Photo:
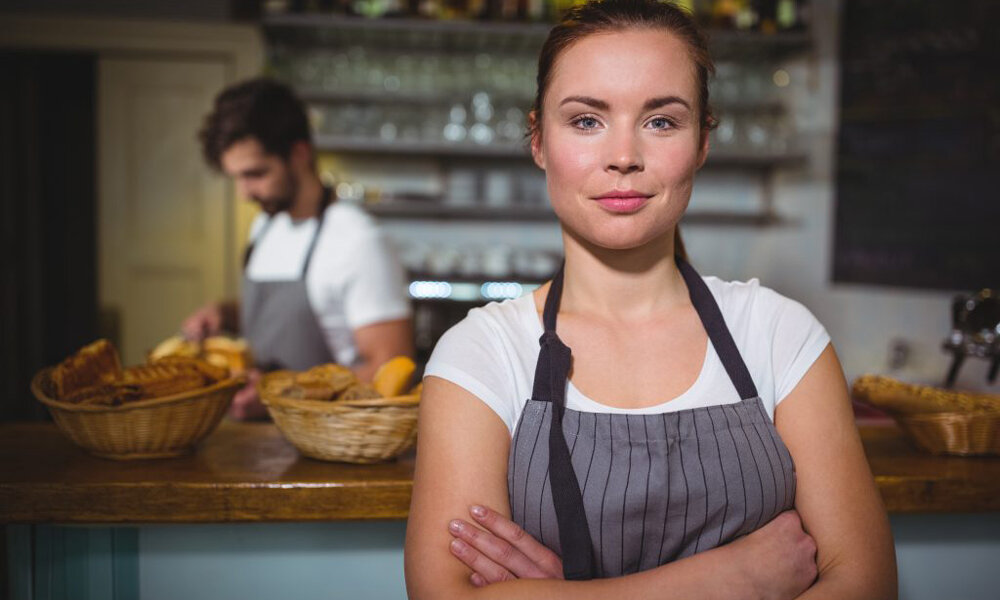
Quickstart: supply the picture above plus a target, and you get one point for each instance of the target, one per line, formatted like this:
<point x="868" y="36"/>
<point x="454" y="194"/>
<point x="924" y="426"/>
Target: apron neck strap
<point x="325" y="200"/>
<point x="551" y="375"/>
<point x="715" y="325"/>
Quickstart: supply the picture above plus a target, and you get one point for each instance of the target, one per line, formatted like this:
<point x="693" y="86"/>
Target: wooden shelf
<point x="721" y="158"/>
<point x="314" y="96"/>
<point x="405" y="148"/>
<point x="433" y="210"/>
<point x="335" y="21"/>
<point x="429" y="98"/>
<point x="437" y="211"/>
<point x="724" y="43"/>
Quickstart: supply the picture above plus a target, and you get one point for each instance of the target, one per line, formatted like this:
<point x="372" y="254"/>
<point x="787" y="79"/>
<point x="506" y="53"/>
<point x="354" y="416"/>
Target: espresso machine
<point x="975" y="332"/>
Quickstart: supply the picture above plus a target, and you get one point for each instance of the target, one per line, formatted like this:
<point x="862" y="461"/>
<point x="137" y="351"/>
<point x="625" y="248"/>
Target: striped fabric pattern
<point x="656" y="488"/>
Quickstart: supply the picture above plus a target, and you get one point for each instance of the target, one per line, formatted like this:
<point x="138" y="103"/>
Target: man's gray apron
<point x="277" y="318"/>
<point x="616" y="493"/>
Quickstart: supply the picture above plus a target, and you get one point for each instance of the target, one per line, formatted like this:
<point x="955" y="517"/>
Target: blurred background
<point x="855" y="167"/>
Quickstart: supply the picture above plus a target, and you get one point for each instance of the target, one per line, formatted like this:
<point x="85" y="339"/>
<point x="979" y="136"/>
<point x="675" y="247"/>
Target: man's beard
<point x="278" y="203"/>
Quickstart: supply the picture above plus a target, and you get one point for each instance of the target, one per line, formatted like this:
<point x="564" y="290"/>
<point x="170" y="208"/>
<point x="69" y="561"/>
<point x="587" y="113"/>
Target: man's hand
<point x="501" y="550"/>
<point x="246" y="405"/>
<point x="205" y="322"/>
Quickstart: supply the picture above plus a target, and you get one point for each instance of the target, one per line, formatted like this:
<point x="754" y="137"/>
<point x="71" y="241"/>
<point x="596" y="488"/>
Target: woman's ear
<point x="704" y="146"/>
<point x="535" y="131"/>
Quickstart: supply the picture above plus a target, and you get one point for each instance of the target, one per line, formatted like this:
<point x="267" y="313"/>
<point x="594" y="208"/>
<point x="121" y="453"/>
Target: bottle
<point x="768" y="13"/>
<point x="786" y="14"/>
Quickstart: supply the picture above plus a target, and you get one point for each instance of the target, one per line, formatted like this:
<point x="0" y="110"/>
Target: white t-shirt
<point x="354" y="278"/>
<point x="492" y="353"/>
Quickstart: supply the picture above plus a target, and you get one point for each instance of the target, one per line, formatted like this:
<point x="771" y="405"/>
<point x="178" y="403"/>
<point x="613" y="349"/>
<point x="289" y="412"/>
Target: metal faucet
<point x="975" y="322"/>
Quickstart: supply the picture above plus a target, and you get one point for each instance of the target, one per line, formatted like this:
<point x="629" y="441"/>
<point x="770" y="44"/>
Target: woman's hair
<point x="603" y="16"/>
<point x="260" y="108"/>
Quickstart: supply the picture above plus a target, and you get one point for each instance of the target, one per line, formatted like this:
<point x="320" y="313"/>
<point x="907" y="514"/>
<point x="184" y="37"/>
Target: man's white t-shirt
<point x="353" y="280"/>
<point x="493" y="352"/>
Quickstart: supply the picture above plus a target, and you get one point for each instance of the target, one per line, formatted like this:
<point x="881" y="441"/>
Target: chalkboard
<point x="918" y="157"/>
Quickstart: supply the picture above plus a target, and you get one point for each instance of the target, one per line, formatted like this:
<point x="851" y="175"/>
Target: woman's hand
<point x="501" y="550"/>
<point x="779" y="559"/>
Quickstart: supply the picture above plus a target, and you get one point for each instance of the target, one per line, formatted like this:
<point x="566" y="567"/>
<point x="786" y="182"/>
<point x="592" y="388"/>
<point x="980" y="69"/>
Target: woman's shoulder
<point x="752" y="301"/>
<point x="504" y="321"/>
<point x="490" y="353"/>
<point x="778" y="336"/>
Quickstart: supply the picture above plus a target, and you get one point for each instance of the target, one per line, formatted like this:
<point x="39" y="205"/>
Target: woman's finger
<point x="488" y="571"/>
<point x="497" y="550"/>
<point x="536" y="552"/>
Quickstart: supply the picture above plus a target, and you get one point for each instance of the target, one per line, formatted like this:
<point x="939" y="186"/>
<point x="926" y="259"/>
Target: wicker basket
<point x="937" y="420"/>
<point x="354" y="431"/>
<point x="154" y="428"/>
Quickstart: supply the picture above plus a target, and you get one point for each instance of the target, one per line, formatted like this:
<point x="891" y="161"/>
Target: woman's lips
<point x="622" y="202"/>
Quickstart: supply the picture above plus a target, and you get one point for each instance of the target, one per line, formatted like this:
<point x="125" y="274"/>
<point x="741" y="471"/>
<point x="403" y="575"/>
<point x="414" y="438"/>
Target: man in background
<point x="320" y="282"/>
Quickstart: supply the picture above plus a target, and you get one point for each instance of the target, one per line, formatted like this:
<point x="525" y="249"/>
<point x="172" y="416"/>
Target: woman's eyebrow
<point x="651" y="104"/>
<point x="592" y="102"/>
<point x="654" y="103"/>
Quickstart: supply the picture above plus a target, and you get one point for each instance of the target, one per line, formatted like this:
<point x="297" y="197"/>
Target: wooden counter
<point x="248" y="472"/>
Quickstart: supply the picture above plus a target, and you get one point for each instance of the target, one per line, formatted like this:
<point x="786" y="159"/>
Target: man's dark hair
<point x="260" y="108"/>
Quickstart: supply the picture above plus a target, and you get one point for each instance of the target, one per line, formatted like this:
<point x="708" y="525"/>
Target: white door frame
<point x="240" y="47"/>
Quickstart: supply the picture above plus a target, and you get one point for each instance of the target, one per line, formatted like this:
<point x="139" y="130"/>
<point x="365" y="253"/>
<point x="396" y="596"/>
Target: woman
<point x="674" y="449"/>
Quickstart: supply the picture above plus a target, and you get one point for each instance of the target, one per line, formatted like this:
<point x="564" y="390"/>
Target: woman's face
<point x="620" y="136"/>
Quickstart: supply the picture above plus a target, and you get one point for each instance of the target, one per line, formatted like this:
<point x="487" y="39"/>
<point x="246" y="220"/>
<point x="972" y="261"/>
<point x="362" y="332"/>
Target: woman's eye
<point x="585" y="123"/>
<point x="661" y="123"/>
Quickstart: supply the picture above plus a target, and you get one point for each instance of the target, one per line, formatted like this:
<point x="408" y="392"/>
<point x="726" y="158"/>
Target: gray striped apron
<point x="277" y="318"/>
<point x="614" y="494"/>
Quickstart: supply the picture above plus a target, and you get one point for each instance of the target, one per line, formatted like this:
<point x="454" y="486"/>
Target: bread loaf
<point x="93" y="365"/>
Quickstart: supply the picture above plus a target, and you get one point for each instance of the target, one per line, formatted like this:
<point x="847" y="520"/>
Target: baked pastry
<point x="232" y="354"/>
<point x="361" y="391"/>
<point x="310" y="390"/>
<point x="94" y="364"/>
<point x="106" y="395"/>
<point x="175" y="346"/>
<point x="220" y="351"/>
<point x="392" y="378"/>
<point x="277" y="382"/>
<point x="163" y="379"/>
<point x="338" y="378"/>
<point x="211" y="373"/>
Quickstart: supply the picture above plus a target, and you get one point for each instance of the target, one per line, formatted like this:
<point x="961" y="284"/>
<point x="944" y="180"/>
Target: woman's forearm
<point x="843" y="584"/>
<point x="708" y="575"/>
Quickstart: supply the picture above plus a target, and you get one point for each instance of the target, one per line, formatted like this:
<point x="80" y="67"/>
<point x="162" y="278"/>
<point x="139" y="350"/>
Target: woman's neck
<point x="621" y="285"/>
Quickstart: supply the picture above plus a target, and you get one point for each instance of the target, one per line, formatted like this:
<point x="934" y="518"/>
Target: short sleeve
<point x="375" y="291"/>
<point x="470" y="356"/>
<point x="798" y="340"/>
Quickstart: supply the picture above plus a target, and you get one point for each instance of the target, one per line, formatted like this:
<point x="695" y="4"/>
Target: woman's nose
<point x="623" y="154"/>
